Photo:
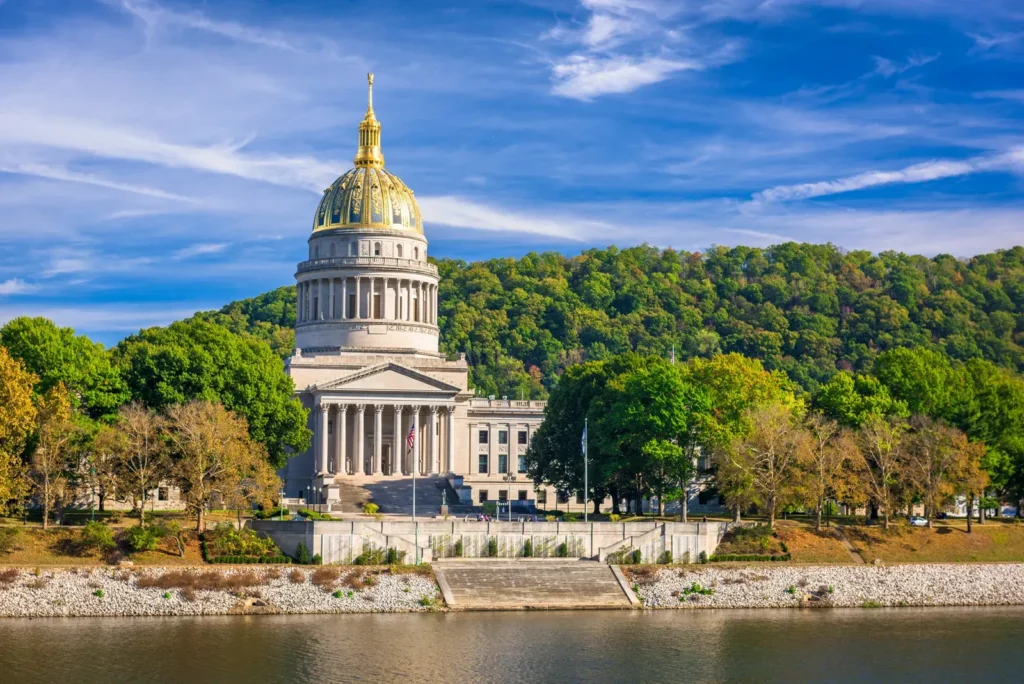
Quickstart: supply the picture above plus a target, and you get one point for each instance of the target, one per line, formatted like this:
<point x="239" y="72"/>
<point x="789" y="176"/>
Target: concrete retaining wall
<point x="341" y="541"/>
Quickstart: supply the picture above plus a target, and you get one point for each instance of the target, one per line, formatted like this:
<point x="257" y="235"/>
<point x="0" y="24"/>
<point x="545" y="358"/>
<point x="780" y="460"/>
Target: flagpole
<point x="586" y="488"/>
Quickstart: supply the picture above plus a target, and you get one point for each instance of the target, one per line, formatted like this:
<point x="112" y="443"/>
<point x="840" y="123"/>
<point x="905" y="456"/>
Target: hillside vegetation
<point x="807" y="310"/>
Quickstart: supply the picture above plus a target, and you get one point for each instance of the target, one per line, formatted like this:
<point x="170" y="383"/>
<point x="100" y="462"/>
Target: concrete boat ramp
<point x="532" y="584"/>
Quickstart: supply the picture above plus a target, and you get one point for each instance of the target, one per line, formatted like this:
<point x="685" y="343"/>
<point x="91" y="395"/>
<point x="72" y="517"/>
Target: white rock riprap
<point x="841" y="586"/>
<point x="99" y="592"/>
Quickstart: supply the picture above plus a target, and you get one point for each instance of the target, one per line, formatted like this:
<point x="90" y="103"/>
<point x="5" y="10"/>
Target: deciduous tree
<point x="831" y="448"/>
<point x="142" y="458"/>
<point x="880" y="460"/>
<point x="17" y="420"/>
<point x="53" y="470"/>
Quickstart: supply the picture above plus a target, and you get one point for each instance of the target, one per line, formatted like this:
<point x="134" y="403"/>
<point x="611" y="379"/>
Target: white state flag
<point x="583" y="440"/>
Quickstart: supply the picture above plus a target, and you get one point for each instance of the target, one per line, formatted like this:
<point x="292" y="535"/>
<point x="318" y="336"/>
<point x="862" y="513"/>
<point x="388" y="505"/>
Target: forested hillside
<point x="804" y="309"/>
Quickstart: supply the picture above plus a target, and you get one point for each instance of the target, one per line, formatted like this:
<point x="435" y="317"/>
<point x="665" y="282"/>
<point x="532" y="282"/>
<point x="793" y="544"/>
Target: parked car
<point x="918" y="521"/>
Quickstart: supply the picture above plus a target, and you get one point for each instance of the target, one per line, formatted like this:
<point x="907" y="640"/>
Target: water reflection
<point x="906" y="645"/>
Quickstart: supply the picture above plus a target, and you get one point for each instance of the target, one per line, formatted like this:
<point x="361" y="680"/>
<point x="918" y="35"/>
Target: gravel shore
<point x="772" y="586"/>
<point x="98" y="592"/>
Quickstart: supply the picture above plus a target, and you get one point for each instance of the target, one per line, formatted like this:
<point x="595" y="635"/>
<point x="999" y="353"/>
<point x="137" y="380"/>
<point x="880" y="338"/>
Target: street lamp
<point x="510" y="479"/>
<point x="280" y="505"/>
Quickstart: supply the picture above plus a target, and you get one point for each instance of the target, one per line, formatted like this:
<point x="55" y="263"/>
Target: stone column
<point x="330" y="290"/>
<point x="416" y="439"/>
<point x="322" y="444"/>
<point x="422" y="304"/>
<point x="357" y="312"/>
<point x="432" y="441"/>
<point x="344" y="298"/>
<point x="378" y="423"/>
<point x="492" y="449"/>
<point x="384" y="300"/>
<point x="360" y="457"/>
<point x="450" y="436"/>
<point x="341" y="448"/>
<point x="398" y="447"/>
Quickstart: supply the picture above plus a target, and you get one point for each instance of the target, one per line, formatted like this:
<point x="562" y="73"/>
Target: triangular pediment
<point x="388" y="377"/>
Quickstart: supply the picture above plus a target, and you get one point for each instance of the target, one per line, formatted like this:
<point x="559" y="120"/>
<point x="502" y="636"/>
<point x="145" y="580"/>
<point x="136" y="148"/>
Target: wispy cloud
<point x="16" y="286"/>
<point x="888" y="67"/>
<point x="917" y="173"/>
<point x="59" y="174"/>
<point x="584" y="77"/>
<point x="199" y="250"/>
<point x="463" y="213"/>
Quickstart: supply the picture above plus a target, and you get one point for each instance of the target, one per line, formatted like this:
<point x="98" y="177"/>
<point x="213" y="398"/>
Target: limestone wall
<point x="341" y="541"/>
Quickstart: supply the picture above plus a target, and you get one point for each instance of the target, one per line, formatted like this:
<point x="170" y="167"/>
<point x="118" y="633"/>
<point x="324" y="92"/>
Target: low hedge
<point x="725" y="558"/>
<point x="249" y="560"/>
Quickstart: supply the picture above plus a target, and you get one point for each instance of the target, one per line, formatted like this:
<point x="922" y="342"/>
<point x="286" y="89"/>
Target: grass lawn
<point x="34" y="546"/>
<point x="948" y="541"/>
<point x="808" y="546"/>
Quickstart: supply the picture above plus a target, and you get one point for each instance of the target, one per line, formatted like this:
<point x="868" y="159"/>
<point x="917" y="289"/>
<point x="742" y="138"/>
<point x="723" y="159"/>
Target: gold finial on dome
<point x="369" y="152"/>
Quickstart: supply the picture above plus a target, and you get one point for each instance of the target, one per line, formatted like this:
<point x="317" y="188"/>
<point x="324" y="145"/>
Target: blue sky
<point x="157" y="158"/>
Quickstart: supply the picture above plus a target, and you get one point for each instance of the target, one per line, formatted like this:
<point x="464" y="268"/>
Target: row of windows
<point x="377" y="251"/>
<point x="502" y="464"/>
<point x="502" y="437"/>
<point x="542" y="496"/>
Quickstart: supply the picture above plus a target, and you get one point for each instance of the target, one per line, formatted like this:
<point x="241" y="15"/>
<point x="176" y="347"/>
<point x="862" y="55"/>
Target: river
<point x="851" y="645"/>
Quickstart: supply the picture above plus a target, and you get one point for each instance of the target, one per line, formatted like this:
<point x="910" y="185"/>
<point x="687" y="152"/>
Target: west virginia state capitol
<point x="383" y="401"/>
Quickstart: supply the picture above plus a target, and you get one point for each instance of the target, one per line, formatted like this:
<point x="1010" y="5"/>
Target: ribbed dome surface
<point x="368" y="197"/>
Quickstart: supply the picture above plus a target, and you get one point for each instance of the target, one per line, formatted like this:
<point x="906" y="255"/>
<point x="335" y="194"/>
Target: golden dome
<point x="368" y="196"/>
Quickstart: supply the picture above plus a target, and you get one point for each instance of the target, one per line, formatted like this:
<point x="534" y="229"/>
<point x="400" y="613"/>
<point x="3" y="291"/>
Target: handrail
<point x="332" y="262"/>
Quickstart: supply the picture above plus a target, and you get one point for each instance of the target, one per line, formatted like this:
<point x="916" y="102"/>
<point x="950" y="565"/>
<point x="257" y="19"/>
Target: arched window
<point x="416" y="253"/>
<point x="398" y="251"/>
<point x="351" y="249"/>
<point x="332" y="249"/>
<point x="316" y="252"/>
<point x="376" y="249"/>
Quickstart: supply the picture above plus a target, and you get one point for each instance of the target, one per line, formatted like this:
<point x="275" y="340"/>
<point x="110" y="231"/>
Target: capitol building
<point x="383" y="402"/>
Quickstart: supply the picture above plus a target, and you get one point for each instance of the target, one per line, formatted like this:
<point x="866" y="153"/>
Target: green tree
<point x="851" y="399"/>
<point x="58" y="356"/>
<point x="17" y="420"/>
<point x="200" y="360"/>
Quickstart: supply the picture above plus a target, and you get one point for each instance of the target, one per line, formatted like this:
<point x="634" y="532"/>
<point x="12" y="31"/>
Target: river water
<point x="965" y="645"/>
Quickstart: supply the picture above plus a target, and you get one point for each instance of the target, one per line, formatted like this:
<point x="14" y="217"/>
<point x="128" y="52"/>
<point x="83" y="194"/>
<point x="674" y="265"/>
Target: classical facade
<point x="383" y="401"/>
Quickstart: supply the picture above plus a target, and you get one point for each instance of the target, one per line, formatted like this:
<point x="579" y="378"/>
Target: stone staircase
<point x="530" y="584"/>
<point x="392" y="495"/>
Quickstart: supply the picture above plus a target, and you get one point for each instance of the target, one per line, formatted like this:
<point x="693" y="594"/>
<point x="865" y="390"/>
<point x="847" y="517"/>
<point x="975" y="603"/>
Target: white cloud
<point x="888" y="67"/>
<point x="54" y="173"/>
<point x="199" y="250"/>
<point x="584" y="77"/>
<point x="458" y="212"/>
<point x="917" y="173"/>
<point x="16" y="286"/>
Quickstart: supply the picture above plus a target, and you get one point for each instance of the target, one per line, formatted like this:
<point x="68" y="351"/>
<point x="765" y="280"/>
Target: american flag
<point x="411" y="437"/>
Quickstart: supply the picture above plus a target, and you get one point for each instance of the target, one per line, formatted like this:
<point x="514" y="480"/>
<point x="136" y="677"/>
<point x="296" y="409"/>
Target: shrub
<point x="8" y="576"/>
<point x="551" y="518"/>
<point x="528" y="548"/>
<point x="562" y="551"/>
<point x="490" y="507"/>
<point x="337" y="594"/>
<point x="791" y="590"/>
<point x="371" y="509"/>
<point x="703" y="557"/>
<point x="372" y="555"/>
<point x="313" y="515"/>
<point x="167" y="594"/>
<point x="302" y="554"/>
<point x="638" y="557"/>
<point x="570" y="517"/>
<point x="8" y="539"/>
<point x="326" y="577"/>
<point x="98" y="593"/>
<point x="225" y="540"/>
<point x="746" y="557"/>
<point x="212" y="580"/>
<point x="394" y="556"/>
<point x="697" y="589"/>
<point x="492" y="547"/>
<point x="665" y="558"/>
<point x="614" y="517"/>
<point x="96" y="535"/>
<point x="296" y="576"/>
<point x="189" y="594"/>
<point x="141" y="538"/>
<point x="276" y="512"/>
<point x="458" y="550"/>
<point x="317" y="559"/>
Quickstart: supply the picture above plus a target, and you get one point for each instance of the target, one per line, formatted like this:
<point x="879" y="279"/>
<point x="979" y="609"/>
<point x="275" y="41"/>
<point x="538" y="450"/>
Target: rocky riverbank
<point x="775" y="586"/>
<point x="98" y="592"/>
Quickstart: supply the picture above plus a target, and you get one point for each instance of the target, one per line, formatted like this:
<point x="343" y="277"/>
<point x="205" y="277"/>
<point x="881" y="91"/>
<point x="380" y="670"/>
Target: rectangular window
<point x="522" y="495"/>
<point x="502" y="495"/>
<point x="502" y="463"/>
<point x="330" y="427"/>
<point x="162" y="494"/>
<point x="351" y="306"/>
<point x="522" y="437"/>
<point x="483" y="496"/>
<point x="562" y="497"/>
<point x="542" y="496"/>
<point x="522" y="464"/>
<point x="579" y="497"/>
<point x="482" y="438"/>
<point x="483" y="464"/>
<point x="502" y="436"/>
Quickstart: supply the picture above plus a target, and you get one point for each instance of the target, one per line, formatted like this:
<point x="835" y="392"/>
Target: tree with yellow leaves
<point x="52" y="468"/>
<point x="17" y="419"/>
<point x="213" y="455"/>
